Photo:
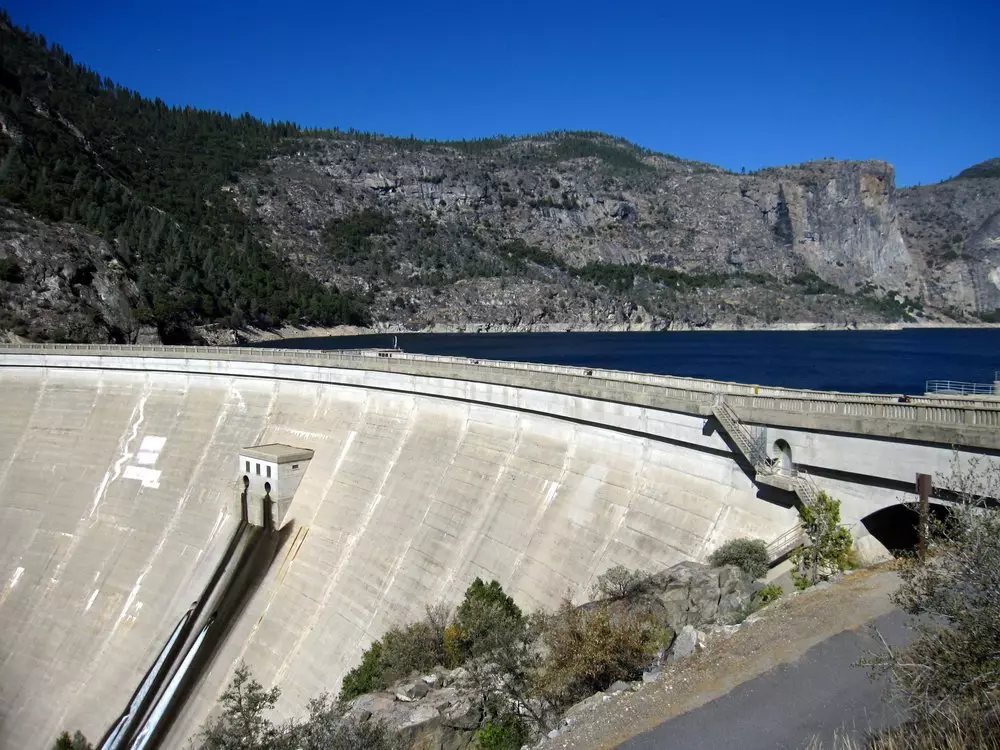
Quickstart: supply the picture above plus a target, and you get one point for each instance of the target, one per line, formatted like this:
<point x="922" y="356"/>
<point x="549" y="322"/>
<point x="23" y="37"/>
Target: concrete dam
<point x="124" y="486"/>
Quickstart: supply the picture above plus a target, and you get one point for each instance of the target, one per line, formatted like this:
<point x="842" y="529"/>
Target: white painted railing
<point x="959" y="388"/>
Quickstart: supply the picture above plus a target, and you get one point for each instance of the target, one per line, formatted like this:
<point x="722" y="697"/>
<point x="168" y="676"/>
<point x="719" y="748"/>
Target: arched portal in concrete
<point x="896" y="525"/>
<point x="783" y="454"/>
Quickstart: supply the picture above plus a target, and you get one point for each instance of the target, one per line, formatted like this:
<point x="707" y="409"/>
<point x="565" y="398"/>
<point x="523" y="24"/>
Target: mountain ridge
<point x="123" y="219"/>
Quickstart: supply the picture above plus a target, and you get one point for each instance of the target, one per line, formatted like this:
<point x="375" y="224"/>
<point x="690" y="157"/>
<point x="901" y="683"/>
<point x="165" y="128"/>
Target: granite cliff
<point x="570" y="230"/>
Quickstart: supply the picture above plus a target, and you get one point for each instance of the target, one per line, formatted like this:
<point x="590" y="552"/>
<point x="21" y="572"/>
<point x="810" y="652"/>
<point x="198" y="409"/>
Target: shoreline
<point x="228" y="337"/>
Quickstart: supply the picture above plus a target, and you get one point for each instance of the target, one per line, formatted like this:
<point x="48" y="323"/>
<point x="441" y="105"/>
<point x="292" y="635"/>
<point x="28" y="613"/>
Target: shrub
<point x="485" y="614"/>
<point x="485" y="617"/>
<point x="770" y="593"/>
<point x="830" y="544"/>
<point x="618" y="583"/>
<point x="507" y="732"/>
<point x="367" y="677"/>
<point x="952" y="667"/>
<point x="587" y="650"/>
<point x="76" y="742"/>
<point x="327" y="728"/>
<point x="243" y="723"/>
<point x="417" y="647"/>
<point x="750" y="555"/>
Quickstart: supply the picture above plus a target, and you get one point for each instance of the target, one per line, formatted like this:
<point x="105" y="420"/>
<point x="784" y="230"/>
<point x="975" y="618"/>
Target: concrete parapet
<point x="946" y="419"/>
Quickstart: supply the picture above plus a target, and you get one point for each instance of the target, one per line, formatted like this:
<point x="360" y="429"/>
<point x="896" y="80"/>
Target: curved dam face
<point x="119" y="491"/>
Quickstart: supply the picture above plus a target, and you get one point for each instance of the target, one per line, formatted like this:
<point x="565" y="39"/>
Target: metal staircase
<point x="782" y="545"/>
<point x="768" y="471"/>
<point x="749" y="447"/>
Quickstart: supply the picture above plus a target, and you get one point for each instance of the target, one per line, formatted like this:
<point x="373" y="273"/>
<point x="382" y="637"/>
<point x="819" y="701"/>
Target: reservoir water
<point x="861" y="361"/>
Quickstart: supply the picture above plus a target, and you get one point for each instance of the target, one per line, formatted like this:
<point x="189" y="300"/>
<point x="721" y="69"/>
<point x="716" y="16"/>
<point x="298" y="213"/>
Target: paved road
<point x="789" y="705"/>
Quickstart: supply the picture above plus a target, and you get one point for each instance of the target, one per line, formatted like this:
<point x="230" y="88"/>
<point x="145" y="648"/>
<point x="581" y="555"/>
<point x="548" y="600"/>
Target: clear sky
<point x="740" y="84"/>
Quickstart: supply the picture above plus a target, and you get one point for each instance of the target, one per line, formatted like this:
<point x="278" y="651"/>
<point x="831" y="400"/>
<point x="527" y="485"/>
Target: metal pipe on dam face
<point x="116" y="509"/>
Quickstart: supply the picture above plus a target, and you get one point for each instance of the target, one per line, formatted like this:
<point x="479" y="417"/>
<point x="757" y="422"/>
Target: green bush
<point x="76" y="742"/>
<point x="367" y="677"/>
<point x="486" y="617"/>
<point x="244" y="724"/>
<point x="750" y="555"/>
<point x="830" y="544"/>
<point x="507" y="732"/>
<point x="771" y="592"/>
<point x="490" y="594"/>
<point x="417" y="647"/>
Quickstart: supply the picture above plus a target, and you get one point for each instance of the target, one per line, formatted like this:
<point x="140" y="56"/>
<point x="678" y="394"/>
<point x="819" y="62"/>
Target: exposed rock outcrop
<point x="443" y="710"/>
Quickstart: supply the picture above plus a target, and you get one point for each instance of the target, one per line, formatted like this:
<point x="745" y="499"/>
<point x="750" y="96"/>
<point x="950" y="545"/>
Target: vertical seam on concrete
<point x="346" y="553"/>
<point x="542" y="509"/>
<point x="24" y="433"/>
<point x="304" y="530"/>
<point x="462" y="560"/>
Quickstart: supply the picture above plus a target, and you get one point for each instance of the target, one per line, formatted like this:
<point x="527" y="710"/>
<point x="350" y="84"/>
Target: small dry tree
<point x="619" y="582"/>
<point x="952" y="668"/>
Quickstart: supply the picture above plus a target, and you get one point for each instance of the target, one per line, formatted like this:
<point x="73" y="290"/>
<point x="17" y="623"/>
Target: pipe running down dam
<point x="134" y="575"/>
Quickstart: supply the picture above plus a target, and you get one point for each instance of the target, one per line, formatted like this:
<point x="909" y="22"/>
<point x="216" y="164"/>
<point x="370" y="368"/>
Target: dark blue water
<point x="865" y="361"/>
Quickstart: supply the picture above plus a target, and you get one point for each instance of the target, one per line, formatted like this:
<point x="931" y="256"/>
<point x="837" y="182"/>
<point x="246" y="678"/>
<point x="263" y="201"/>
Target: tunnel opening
<point x="783" y="456"/>
<point x="896" y="526"/>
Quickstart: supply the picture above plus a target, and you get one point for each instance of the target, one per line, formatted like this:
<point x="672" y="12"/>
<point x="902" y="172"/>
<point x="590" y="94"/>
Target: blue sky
<point x="746" y="84"/>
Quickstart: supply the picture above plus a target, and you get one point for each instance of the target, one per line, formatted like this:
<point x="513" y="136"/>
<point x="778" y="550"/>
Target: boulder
<point x="694" y="594"/>
<point x="418" y="716"/>
<point x="463" y="714"/>
<point x="684" y="644"/>
<point x="620" y="687"/>
<point x="458" y="676"/>
<point x="584" y="706"/>
<point x="411" y="691"/>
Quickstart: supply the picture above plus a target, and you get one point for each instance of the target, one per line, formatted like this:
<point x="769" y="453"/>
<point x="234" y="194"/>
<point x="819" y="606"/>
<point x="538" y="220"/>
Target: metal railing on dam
<point x="867" y="413"/>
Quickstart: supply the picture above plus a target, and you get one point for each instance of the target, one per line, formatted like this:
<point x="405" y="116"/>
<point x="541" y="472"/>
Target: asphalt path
<point x="792" y="704"/>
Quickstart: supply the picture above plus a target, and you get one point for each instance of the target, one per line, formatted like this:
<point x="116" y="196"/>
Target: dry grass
<point x="968" y="731"/>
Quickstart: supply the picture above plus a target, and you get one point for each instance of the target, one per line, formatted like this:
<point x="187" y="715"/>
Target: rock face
<point x="444" y="718"/>
<point x="565" y="231"/>
<point x="63" y="283"/>
<point x="954" y="227"/>
<point x="823" y="242"/>
<point x="691" y="595"/>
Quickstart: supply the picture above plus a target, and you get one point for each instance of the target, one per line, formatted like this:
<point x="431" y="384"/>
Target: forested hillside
<point x="146" y="179"/>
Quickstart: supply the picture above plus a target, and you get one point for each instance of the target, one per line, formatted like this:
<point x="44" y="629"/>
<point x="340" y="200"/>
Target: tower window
<point x="258" y="469"/>
<point x="248" y="467"/>
<point x="268" y="472"/>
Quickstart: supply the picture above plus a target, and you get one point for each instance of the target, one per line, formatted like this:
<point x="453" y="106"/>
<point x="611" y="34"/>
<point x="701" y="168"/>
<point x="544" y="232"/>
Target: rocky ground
<point x="708" y="658"/>
<point x="443" y="709"/>
<point x="778" y="634"/>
